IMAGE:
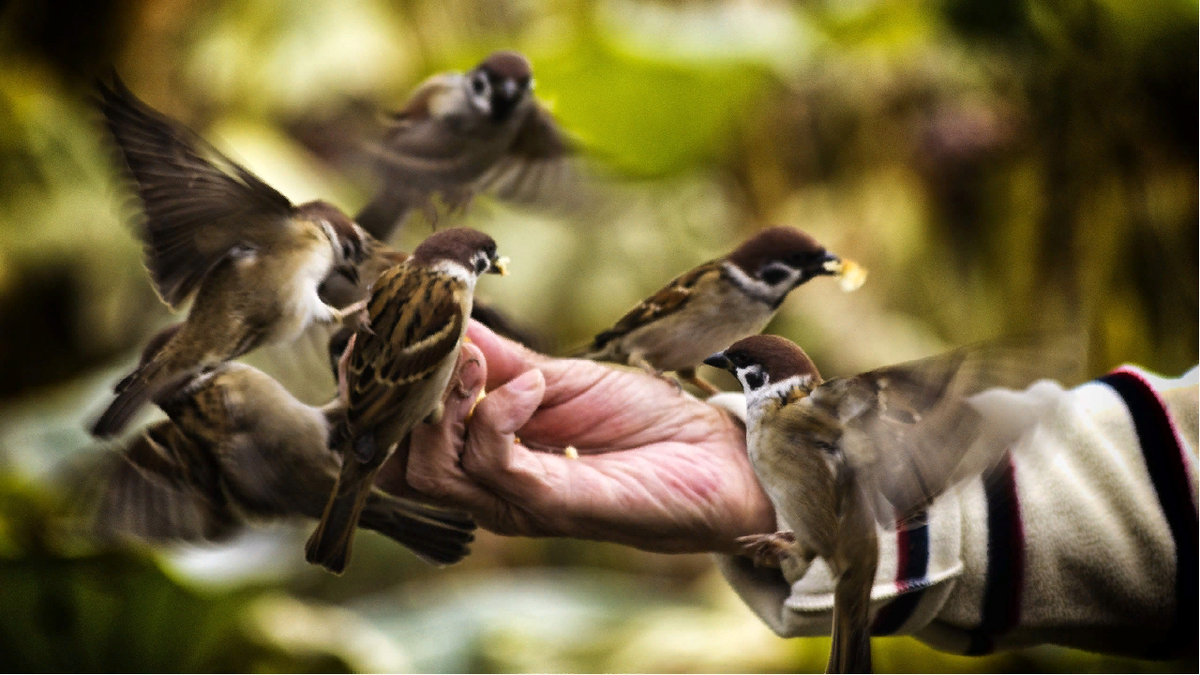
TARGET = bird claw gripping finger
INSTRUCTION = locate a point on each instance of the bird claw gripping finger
(767, 550)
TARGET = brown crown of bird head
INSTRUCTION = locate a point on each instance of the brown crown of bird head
(470, 248)
(763, 360)
(783, 256)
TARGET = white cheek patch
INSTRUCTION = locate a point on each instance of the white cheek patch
(754, 287)
(776, 390)
(456, 270)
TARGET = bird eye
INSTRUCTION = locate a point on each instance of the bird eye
(479, 84)
(773, 276)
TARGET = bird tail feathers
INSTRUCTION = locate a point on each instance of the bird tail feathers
(437, 536)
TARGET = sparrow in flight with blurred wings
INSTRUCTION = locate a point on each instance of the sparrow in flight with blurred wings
(238, 447)
(463, 132)
(252, 260)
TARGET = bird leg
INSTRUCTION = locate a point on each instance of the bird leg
(689, 375)
(343, 385)
(766, 550)
(637, 360)
(353, 316)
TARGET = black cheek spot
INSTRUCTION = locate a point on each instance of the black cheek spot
(755, 380)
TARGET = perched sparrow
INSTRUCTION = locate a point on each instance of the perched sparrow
(239, 447)
(397, 371)
(459, 133)
(212, 229)
(837, 457)
(712, 305)
(340, 292)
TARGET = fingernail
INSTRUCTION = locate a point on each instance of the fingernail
(526, 382)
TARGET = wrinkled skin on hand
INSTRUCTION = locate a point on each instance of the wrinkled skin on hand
(657, 469)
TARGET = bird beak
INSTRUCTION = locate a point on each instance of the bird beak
(831, 264)
(350, 272)
(719, 360)
(499, 266)
(851, 273)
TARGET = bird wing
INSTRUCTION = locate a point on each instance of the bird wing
(155, 489)
(422, 152)
(416, 319)
(913, 430)
(668, 300)
(198, 204)
(537, 164)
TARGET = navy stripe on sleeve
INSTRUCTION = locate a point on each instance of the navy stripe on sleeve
(1005, 560)
(1165, 463)
(912, 570)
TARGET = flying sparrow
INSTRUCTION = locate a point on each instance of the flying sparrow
(836, 457)
(461, 132)
(238, 447)
(396, 373)
(215, 231)
(712, 305)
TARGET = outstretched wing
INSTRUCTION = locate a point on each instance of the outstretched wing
(536, 165)
(198, 204)
(915, 429)
(417, 321)
(154, 489)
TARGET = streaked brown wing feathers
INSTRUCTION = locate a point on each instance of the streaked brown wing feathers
(418, 320)
(667, 300)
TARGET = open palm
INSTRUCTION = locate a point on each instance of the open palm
(657, 469)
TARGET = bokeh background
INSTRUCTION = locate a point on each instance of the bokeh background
(1000, 167)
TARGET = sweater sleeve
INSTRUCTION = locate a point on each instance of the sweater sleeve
(1085, 535)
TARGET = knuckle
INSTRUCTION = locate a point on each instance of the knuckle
(426, 482)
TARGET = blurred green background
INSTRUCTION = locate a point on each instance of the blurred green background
(999, 167)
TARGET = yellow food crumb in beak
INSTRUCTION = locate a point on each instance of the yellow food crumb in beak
(852, 274)
(502, 265)
(571, 452)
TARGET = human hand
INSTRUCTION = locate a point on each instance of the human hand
(657, 469)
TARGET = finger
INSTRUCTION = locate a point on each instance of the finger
(505, 359)
(490, 455)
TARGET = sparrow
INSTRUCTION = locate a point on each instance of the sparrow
(396, 372)
(237, 447)
(460, 133)
(836, 457)
(251, 259)
(339, 291)
(714, 304)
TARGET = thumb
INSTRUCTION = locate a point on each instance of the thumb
(488, 452)
(506, 359)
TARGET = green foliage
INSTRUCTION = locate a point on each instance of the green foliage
(118, 611)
